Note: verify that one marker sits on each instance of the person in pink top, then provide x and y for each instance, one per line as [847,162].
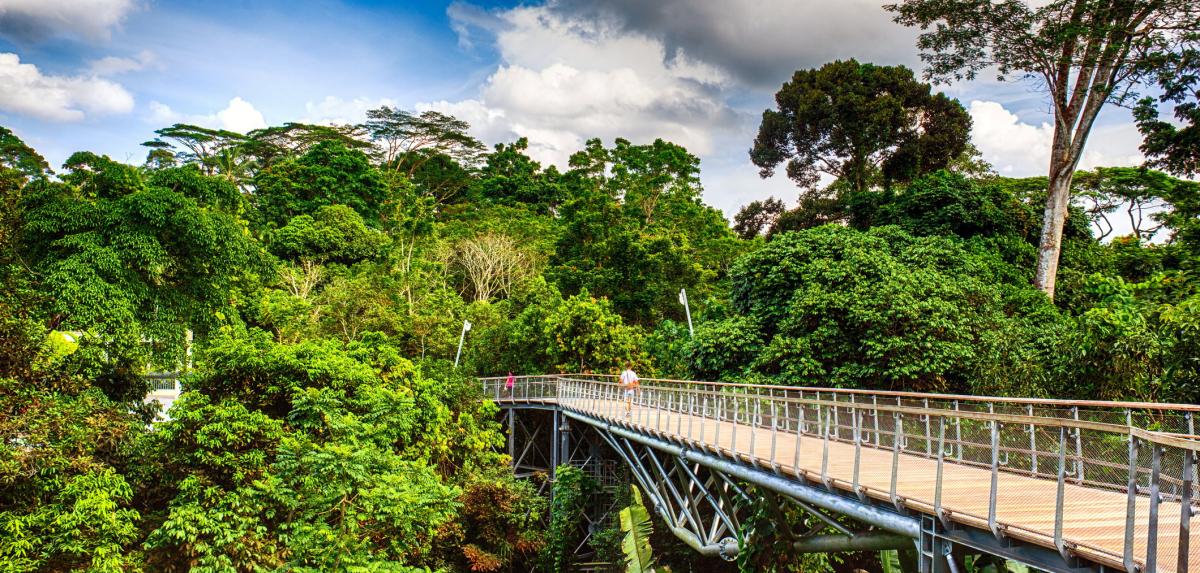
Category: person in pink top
[508,383]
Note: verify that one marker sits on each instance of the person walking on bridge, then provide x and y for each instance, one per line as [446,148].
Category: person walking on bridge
[629,383]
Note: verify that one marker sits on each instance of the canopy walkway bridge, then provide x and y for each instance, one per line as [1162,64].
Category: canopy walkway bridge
[1065,486]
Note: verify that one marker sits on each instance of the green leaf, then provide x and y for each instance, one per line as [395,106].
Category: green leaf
[635,522]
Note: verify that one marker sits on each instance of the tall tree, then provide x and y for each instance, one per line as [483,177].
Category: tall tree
[858,123]
[276,143]
[635,230]
[120,260]
[492,265]
[201,145]
[14,154]
[408,140]
[19,164]
[756,217]
[1143,194]
[1084,53]
[1174,148]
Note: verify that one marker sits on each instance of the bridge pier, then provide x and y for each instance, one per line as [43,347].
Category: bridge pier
[936,553]
[541,438]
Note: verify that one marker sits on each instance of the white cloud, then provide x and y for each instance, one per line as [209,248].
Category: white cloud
[732,183]
[1019,149]
[25,90]
[336,111]
[565,80]
[758,41]
[240,116]
[1014,148]
[36,20]
[112,65]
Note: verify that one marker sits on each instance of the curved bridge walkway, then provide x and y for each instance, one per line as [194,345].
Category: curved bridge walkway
[1058,485]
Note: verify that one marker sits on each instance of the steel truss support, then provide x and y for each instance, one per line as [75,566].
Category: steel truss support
[818,497]
[703,505]
[872,541]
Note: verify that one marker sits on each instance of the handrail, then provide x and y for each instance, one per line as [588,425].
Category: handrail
[1176,440]
[1163,438]
[1168,406]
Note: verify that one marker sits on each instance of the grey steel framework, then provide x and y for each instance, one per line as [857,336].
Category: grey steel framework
[1060,485]
[540,438]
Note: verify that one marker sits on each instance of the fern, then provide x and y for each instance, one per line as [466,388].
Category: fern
[635,522]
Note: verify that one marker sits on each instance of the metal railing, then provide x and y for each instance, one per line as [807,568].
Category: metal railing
[1138,457]
[524,388]
[163,382]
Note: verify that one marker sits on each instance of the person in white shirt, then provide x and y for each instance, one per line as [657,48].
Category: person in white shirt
[629,383]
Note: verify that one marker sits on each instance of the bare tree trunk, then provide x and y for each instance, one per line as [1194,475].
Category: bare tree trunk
[1053,219]
[1070,134]
[1058,198]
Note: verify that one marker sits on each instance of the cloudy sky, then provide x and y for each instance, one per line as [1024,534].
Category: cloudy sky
[102,75]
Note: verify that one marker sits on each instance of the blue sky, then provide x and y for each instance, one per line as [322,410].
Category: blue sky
[101,75]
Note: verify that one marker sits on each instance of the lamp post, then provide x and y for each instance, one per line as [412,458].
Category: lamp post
[461,338]
[684,301]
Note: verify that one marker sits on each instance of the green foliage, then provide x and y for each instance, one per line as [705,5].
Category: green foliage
[666,348]
[1171,145]
[206,190]
[764,545]
[757,217]
[322,456]
[15,155]
[63,503]
[324,428]
[571,486]
[510,176]
[98,177]
[846,308]
[722,349]
[327,174]
[943,203]
[1143,195]
[409,140]
[120,261]
[333,233]
[859,123]
[86,524]
[636,523]
[1051,41]
[497,512]
[889,562]
[583,334]
[353,503]
[635,231]
[223,443]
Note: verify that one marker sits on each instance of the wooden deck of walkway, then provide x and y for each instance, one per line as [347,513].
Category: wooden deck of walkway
[1093,522]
